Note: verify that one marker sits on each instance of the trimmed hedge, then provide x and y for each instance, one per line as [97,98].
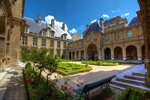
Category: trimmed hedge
[70,69]
[101,63]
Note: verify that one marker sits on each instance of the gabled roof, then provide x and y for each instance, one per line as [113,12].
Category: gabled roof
[93,27]
[112,19]
[135,21]
[37,28]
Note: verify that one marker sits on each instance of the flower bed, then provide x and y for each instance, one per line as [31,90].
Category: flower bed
[101,63]
[70,69]
[36,87]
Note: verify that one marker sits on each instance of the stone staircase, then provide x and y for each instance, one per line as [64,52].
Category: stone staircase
[135,80]
[132,78]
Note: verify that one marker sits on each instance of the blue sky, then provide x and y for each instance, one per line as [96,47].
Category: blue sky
[77,13]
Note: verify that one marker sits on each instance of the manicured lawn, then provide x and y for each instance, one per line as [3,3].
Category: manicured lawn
[101,63]
[70,69]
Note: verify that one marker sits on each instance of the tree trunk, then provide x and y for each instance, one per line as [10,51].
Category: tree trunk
[47,80]
[40,73]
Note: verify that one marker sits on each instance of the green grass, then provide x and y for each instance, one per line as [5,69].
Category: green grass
[65,60]
[70,69]
[101,63]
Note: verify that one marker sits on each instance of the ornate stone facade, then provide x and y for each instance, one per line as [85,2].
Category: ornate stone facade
[144,16]
[110,40]
[42,35]
[11,27]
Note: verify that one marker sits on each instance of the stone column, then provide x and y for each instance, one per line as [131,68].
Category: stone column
[85,54]
[139,52]
[79,54]
[112,54]
[124,53]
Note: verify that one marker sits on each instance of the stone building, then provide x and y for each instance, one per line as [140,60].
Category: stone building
[110,40]
[11,28]
[39,35]
[144,16]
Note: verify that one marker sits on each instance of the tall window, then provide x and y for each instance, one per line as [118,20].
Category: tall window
[51,51]
[129,34]
[58,52]
[58,44]
[24,40]
[116,36]
[26,29]
[43,32]
[64,44]
[52,34]
[34,41]
[51,43]
[43,42]
[92,36]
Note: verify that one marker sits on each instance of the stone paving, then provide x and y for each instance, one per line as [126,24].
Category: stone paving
[15,86]
[97,73]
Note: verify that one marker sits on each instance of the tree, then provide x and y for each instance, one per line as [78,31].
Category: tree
[52,64]
[42,60]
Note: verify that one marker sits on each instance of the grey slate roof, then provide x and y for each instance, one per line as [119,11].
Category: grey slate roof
[135,21]
[111,20]
[37,28]
[94,27]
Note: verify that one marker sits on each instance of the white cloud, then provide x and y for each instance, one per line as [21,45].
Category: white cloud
[93,21]
[57,23]
[105,15]
[115,11]
[73,31]
[126,14]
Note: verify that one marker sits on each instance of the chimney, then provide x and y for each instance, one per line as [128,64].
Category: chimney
[39,20]
[63,26]
[102,24]
[87,26]
[53,22]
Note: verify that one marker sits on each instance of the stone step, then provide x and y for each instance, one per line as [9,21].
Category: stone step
[141,78]
[137,82]
[138,74]
[117,87]
[2,75]
[123,84]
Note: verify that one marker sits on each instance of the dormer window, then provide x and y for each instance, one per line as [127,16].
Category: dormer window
[117,22]
[52,34]
[26,29]
[43,32]
[64,36]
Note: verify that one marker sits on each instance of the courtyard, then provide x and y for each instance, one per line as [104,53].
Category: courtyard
[97,73]
[74,50]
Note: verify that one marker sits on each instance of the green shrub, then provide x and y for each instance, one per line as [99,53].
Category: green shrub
[132,94]
[37,87]
[70,69]
[101,63]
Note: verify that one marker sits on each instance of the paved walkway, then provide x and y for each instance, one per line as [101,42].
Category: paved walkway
[97,73]
[15,86]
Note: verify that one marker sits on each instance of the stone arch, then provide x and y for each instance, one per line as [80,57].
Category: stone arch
[143,52]
[73,55]
[70,55]
[107,53]
[118,53]
[92,52]
[131,52]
